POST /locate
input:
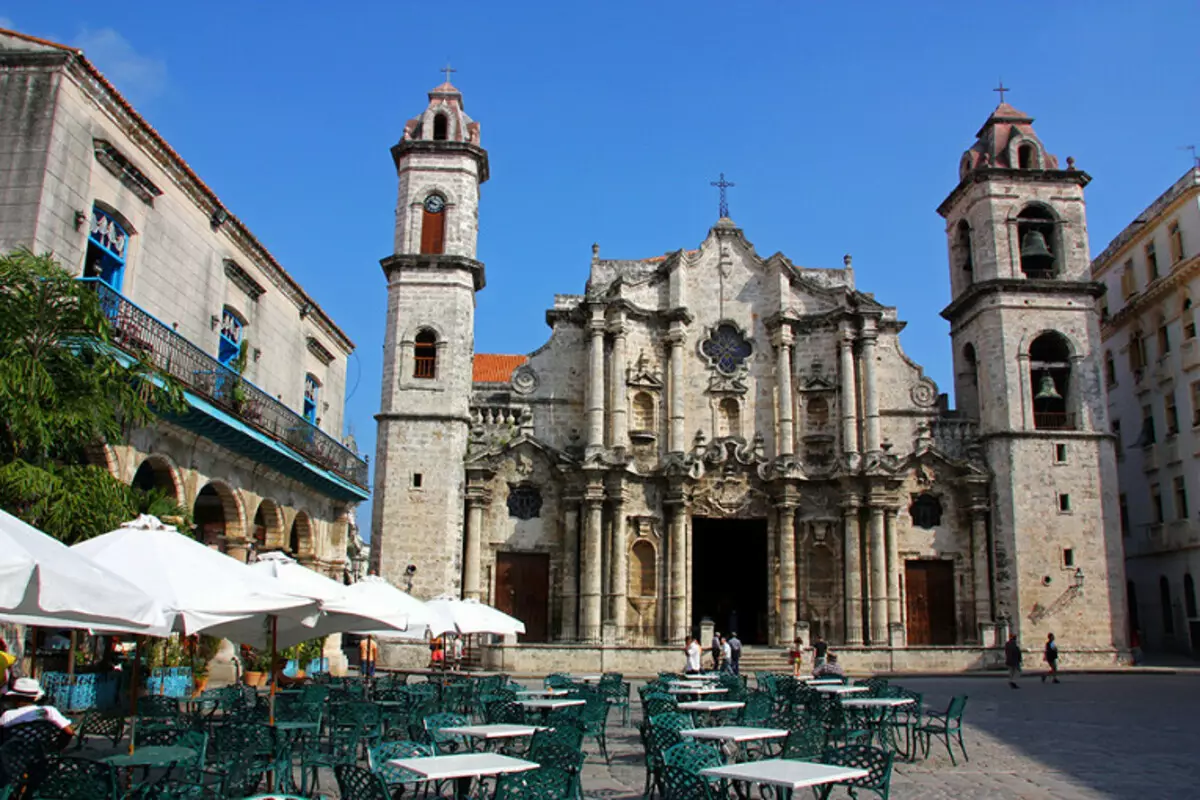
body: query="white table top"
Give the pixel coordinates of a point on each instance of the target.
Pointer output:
(697, 690)
(842, 689)
(785, 772)
(550, 703)
(494, 731)
(464, 765)
(877, 702)
(823, 681)
(589, 678)
(710, 705)
(734, 733)
(543, 692)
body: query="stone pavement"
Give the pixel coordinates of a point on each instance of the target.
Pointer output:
(1091, 736)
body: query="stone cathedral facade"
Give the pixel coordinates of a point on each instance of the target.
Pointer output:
(718, 434)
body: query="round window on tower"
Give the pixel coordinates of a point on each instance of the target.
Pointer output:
(435, 203)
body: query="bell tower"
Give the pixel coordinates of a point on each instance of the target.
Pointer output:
(432, 277)
(1025, 332)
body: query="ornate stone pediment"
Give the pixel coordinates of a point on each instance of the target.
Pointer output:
(816, 380)
(729, 495)
(644, 373)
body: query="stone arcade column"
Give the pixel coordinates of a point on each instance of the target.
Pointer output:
(677, 551)
(676, 338)
(849, 404)
(472, 546)
(595, 380)
(620, 568)
(852, 575)
(592, 557)
(979, 568)
(870, 390)
(783, 374)
(878, 585)
(570, 587)
(894, 616)
(617, 404)
(787, 572)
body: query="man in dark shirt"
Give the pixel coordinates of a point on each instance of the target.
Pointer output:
(820, 648)
(735, 646)
(1012, 660)
(716, 650)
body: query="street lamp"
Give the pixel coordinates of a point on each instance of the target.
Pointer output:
(1078, 578)
(409, 572)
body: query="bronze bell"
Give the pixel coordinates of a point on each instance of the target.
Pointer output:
(1046, 389)
(1034, 252)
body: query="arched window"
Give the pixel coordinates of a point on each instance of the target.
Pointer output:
(425, 354)
(433, 225)
(817, 414)
(1164, 599)
(1027, 157)
(644, 574)
(1049, 380)
(643, 413)
(1035, 232)
(230, 340)
(729, 417)
(300, 539)
(441, 127)
(1189, 595)
(312, 390)
(926, 511)
(155, 473)
(963, 243)
(107, 244)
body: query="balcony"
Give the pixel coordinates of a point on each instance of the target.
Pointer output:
(140, 333)
(1054, 421)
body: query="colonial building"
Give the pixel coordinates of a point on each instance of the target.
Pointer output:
(258, 456)
(718, 434)
(1151, 272)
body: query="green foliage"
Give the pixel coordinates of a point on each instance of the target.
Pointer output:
(63, 389)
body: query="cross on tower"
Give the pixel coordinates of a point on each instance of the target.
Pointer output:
(447, 69)
(723, 184)
(1001, 89)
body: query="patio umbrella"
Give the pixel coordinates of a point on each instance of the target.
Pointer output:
(197, 587)
(341, 610)
(44, 582)
(376, 592)
(472, 616)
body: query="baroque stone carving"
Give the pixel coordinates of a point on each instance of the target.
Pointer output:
(524, 380)
(924, 393)
(729, 495)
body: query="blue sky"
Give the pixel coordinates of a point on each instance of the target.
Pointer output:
(841, 124)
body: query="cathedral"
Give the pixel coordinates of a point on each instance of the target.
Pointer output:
(714, 437)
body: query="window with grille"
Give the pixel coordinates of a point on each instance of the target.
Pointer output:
(312, 389)
(230, 339)
(425, 355)
(524, 502)
(726, 348)
(926, 511)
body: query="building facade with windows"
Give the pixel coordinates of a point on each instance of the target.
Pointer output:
(1151, 274)
(717, 434)
(259, 455)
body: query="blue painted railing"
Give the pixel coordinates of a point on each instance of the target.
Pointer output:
(137, 331)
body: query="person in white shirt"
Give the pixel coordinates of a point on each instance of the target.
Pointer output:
(692, 656)
(22, 699)
(726, 656)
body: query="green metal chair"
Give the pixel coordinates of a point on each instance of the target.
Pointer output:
(692, 756)
(394, 777)
(677, 783)
(506, 712)
(945, 725)
(107, 724)
(446, 743)
(675, 720)
(899, 728)
(757, 710)
(25, 746)
(70, 778)
(555, 755)
(356, 783)
(656, 740)
(878, 764)
(567, 735)
(655, 704)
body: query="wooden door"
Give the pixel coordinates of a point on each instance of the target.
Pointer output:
(929, 601)
(523, 591)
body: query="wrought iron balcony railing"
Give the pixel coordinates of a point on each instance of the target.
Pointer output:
(139, 332)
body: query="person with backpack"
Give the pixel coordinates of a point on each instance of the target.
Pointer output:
(735, 649)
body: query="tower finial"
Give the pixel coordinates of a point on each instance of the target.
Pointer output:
(447, 69)
(1002, 89)
(723, 184)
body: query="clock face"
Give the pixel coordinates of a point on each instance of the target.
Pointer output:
(434, 204)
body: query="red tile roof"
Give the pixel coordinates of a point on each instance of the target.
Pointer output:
(495, 367)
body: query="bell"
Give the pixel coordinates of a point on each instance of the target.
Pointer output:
(1047, 390)
(1034, 252)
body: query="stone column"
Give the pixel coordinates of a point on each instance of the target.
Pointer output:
(1024, 385)
(620, 568)
(618, 406)
(472, 547)
(238, 548)
(675, 440)
(787, 572)
(852, 575)
(894, 617)
(570, 588)
(849, 395)
(979, 566)
(592, 557)
(870, 390)
(595, 380)
(783, 374)
(878, 586)
(677, 625)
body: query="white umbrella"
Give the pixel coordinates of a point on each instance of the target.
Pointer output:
(376, 592)
(44, 582)
(197, 586)
(472, 616)
(341, 610)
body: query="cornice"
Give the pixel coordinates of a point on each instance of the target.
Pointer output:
(1152, 295)
(985, 174)
(406, 146)
(1018, 286)
(415, 261)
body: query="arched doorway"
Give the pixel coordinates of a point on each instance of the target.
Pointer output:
(268, 526)
(156, 473)
(217, 515)
(300, 539)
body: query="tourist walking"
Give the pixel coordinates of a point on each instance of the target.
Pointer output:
(820, 648)
(1050, 656)
(368, 654)
(716, 650)
(1012, 660)
(735, 648)
(726, 656)
(797, 656)
(691, 656)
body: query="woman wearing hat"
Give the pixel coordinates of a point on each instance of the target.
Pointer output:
(21, 699)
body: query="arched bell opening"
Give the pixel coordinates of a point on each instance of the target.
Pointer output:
(1038, 241)
(1050, 381)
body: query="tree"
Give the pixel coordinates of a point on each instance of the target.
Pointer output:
(64, 388)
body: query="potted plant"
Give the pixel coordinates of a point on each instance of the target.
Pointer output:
(256, 666)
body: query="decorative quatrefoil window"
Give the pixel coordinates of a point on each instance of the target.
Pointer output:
(726, 348)
(524, 502)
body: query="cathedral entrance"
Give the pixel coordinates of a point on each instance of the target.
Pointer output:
(523, 591)
(729, 580)
(929, 594)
